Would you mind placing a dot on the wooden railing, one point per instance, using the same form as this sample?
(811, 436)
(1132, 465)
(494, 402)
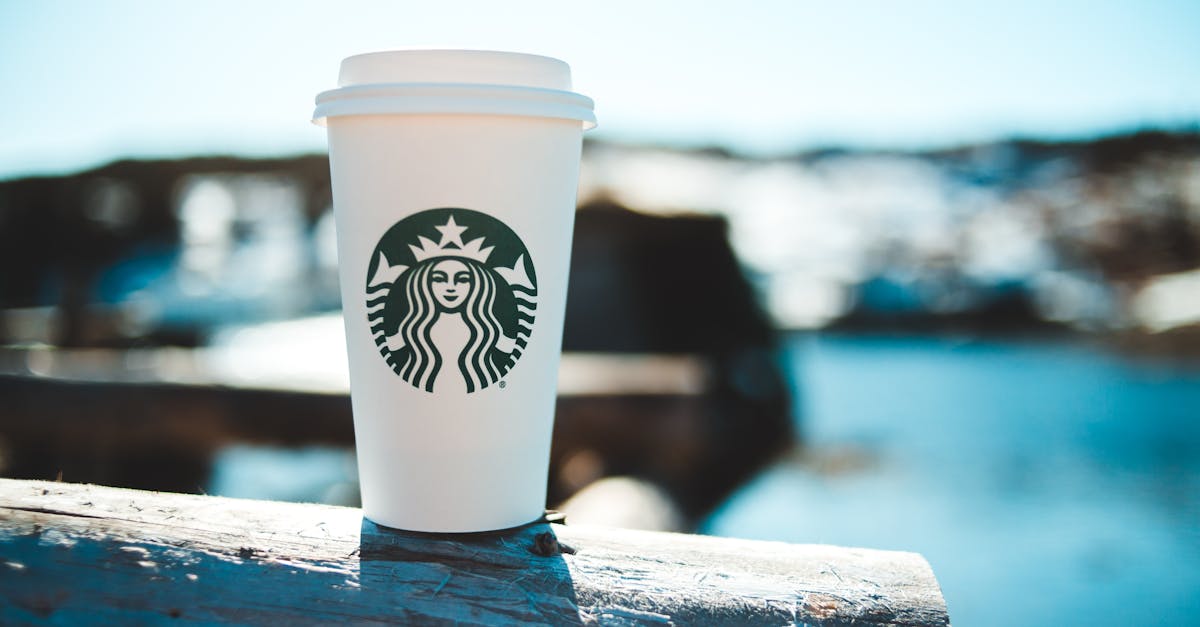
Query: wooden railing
(97, 555)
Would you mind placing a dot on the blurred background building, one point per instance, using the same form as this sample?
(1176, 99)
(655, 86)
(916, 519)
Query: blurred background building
(911, 276)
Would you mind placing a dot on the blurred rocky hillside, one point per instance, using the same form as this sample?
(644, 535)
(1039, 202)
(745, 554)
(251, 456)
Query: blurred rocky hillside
(1092, 235)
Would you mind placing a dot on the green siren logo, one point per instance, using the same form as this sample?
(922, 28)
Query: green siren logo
(451, 296)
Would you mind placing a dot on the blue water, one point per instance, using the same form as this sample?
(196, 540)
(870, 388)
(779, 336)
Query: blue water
(1046, 483)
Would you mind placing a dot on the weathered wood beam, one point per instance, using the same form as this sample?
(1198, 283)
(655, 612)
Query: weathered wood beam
(89, 554)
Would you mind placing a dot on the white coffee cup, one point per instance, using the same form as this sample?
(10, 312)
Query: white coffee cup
(454, 182)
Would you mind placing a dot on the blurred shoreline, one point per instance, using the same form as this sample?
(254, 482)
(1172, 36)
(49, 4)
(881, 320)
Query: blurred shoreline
(1099, 236)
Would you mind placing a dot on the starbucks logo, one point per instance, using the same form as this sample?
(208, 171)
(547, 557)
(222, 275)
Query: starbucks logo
(451, 296)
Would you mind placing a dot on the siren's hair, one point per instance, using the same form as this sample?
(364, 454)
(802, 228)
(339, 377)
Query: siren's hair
(424, 361)
(476, 361)
(479, 314)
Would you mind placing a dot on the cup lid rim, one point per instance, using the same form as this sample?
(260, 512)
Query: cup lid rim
(446, 65)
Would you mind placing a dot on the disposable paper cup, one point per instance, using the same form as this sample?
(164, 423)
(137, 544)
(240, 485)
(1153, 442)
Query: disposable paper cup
(454, 180)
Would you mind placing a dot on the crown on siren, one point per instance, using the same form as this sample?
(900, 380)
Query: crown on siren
(451, 245)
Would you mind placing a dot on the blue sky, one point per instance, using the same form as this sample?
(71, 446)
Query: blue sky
(85, 82)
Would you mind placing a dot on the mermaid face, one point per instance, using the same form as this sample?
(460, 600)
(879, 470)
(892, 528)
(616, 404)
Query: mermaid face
(450, 282)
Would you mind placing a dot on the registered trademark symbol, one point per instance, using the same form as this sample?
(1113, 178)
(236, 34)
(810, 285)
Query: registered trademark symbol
(503, 384)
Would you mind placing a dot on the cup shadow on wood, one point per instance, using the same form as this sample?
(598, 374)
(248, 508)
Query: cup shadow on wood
(511, 576)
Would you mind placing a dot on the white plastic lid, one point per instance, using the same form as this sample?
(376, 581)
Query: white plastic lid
(454, 81)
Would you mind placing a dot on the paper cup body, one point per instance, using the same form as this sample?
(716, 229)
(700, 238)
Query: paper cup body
(454, 239)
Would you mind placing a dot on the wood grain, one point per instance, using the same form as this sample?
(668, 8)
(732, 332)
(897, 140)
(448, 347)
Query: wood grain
(96, 555)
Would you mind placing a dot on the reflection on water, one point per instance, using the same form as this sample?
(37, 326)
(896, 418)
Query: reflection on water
(1046, 483)
(314, 474)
